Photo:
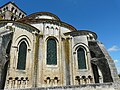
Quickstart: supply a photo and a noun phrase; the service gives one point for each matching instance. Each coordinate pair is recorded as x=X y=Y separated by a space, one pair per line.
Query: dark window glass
x=81 y=58
x=22 y=56
x=51 y=52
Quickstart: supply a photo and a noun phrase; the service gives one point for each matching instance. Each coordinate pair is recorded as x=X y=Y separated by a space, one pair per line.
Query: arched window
x=81 y=58
x=19 y=14
x=3 y=9
x=12 y=9
x=22 y=16
x=51 y=52
x=6 y=8
x=12 y=17
x=16 y=11
x=47 y=30
x=22 y=56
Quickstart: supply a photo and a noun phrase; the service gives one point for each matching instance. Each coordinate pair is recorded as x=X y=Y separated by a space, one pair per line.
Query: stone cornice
x=32 y=21
x=81 y=32
x=22 y=25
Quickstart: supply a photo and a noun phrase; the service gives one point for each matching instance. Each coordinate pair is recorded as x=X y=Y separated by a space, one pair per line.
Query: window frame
x=57 y=52
x=85 y=61
x=19 y=43
x=47 y=60
x=85 y=47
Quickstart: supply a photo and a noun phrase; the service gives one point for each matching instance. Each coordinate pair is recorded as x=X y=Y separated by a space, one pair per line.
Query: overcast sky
x=99 y=16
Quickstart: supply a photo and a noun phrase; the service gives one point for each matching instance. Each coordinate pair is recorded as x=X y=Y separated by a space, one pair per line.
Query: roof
x=38 y=17
x=40 y=14
x=19 y=23
x=81 y=32
x=14 y=5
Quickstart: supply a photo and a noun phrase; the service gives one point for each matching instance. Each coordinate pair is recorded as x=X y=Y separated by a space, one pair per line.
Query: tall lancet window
x=51 y=52
x=81 y=58
x=22 y=56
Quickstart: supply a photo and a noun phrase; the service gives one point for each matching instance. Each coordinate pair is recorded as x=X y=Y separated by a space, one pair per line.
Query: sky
x=99 y=16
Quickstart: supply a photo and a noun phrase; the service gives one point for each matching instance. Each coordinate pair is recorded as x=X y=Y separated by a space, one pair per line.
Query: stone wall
x=103 y=86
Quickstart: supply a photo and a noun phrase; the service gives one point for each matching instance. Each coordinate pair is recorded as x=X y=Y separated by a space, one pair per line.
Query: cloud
x=116 y=61
x=118 y=70
x=114 y=48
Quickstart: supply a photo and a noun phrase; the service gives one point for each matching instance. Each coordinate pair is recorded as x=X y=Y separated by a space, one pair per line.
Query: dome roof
x=42 y=15
x=45 y=17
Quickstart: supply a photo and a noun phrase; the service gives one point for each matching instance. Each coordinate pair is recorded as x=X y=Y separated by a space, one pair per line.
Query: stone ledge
x=102 y=86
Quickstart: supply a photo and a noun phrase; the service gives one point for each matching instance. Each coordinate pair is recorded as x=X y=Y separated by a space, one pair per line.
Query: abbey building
x=40 y=50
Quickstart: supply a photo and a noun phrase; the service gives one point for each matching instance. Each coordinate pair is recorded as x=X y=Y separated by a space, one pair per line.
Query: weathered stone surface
x=105 y=86
x=73 y=49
